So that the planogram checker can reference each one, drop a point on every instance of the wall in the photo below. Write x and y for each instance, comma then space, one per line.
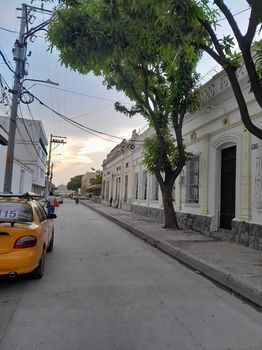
15, 187
29, 152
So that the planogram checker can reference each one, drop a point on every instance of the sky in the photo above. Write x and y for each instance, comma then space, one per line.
91, 103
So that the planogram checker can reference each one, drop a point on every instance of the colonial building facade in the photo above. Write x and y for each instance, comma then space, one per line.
220, 188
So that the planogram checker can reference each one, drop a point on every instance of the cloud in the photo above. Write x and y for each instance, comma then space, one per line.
80, 154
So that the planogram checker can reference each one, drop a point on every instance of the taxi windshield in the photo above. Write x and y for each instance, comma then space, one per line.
15, 212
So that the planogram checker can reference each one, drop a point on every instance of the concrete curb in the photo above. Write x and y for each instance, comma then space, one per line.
212, 271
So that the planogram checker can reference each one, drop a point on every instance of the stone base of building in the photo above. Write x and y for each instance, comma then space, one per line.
247, 234
200, 223
155, 213
194, 222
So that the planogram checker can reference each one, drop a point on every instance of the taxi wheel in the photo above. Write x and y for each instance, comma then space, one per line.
39, 271
51, 244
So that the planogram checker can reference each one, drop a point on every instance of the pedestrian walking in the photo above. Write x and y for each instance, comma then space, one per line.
52, 202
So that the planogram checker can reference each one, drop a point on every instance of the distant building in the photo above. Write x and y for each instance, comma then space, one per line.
29, 156
117, 181
86, 181
62, 188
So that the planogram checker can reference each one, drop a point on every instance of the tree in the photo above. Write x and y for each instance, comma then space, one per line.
100, 36
194, 23
222, 50
75, 183
98, 179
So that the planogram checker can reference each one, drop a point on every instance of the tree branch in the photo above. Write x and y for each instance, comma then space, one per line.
245, 116
134, 91
252, 26
230, 18
213, 37
213, 54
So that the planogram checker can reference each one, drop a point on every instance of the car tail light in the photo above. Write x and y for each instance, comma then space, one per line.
25, 242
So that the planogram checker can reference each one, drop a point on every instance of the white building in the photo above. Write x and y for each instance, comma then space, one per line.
29, 156
117, 183
220, 189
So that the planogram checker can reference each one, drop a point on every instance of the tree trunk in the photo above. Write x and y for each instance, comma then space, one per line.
169, 211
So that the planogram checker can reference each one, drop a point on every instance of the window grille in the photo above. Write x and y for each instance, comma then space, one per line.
103, 190
136, 185
257, 197
117, 187
144, 185
107, 190
192, 180
126, 187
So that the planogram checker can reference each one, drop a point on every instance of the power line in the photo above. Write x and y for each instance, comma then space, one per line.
76, 124
30, 138
5, 95
5, 61
80, 93
37, 133
235, 14
91, 112
8, 30
10, 64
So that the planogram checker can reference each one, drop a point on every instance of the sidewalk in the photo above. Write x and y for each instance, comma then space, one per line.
234, 266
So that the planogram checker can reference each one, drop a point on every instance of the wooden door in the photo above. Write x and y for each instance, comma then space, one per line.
228, 187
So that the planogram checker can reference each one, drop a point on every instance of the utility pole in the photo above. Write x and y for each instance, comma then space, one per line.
49, 174
19, 52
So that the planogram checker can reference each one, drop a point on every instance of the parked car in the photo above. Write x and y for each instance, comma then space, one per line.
26, 234
60, 197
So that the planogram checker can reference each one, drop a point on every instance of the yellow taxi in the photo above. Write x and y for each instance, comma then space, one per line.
26, 234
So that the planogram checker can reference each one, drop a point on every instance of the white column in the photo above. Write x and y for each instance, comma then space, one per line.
204, 175
178, 193
245, 181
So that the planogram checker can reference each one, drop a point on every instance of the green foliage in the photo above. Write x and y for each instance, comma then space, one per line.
98, 179
152, 150
257, 47
75, 183
134, 46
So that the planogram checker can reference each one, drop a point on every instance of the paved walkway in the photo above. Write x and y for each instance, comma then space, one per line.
232, 265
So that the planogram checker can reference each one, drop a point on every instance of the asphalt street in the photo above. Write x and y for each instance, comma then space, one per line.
105, 289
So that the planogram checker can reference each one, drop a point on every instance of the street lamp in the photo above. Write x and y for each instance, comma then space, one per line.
48, 81
26, 96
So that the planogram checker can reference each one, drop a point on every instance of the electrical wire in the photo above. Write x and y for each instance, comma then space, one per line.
235, 14
79, 125
30, 138
5, 61
9, 30
5, 95
80, 93
37, 133
10, 64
